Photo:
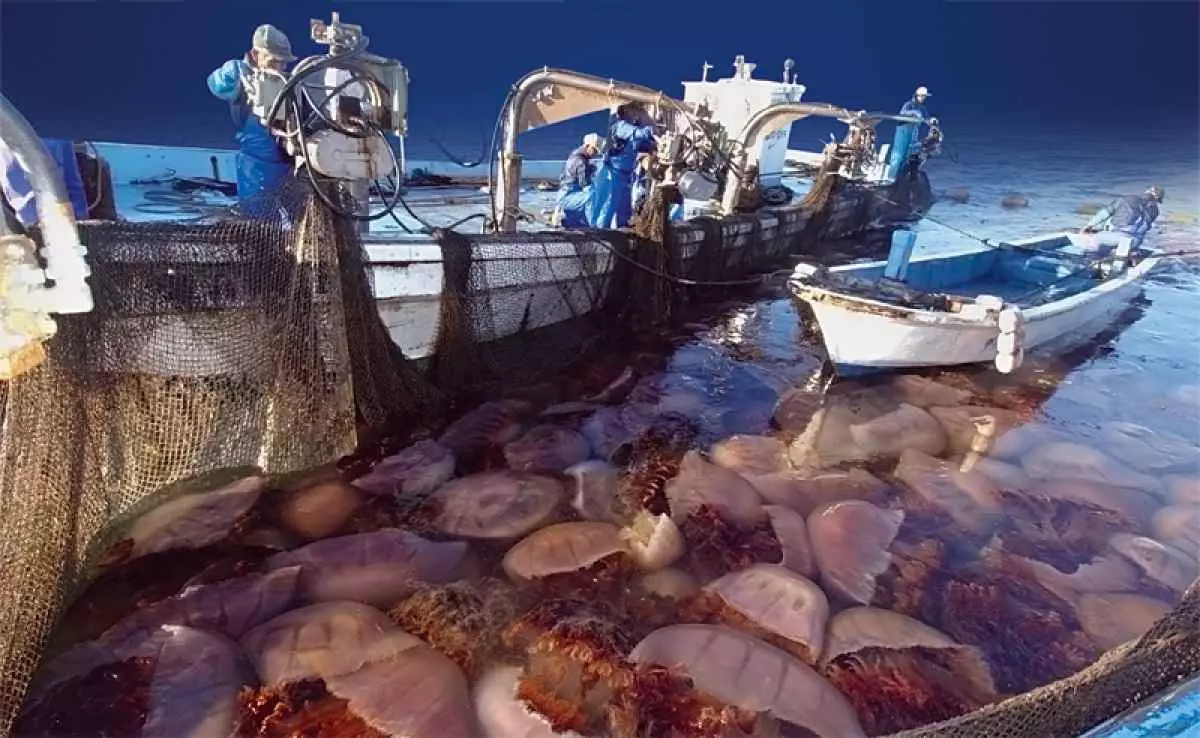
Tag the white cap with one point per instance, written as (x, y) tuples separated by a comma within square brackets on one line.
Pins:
[(922, 91), (271, 40), (593, 140)]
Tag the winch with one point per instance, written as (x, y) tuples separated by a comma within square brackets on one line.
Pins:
[(333, 113)]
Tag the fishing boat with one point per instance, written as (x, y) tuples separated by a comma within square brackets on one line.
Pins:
[(987, 303), (538, 276)]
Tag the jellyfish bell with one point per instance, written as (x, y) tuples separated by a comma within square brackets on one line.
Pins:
[(1179, 526), (148, 685), (490, 424), (925, 393), (850, 541), (562, 549), (700, 483), (1147, 450), (907, 427), (192, 520), (900, 673), (367, 669), (416, 470), (1113, 618), (1164, 564), (750, 455), (792, 532), (775, 604), (495, 505), (319, 510), (546, 448), (745, 672), (1068, 460), (969, 497), (805, 492), (377, 568)]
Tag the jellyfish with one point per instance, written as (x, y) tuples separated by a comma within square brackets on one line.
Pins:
[(563, 549), (751, 455), (546, 448), (344, 664), (850, 541), (745, 672), (375, 568), (770, 602), (165, 682), (900, 673), (495, 505)]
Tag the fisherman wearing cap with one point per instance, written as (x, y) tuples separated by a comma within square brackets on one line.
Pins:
[(1130, 216), (906, 137), (575, 184), (262, 164)]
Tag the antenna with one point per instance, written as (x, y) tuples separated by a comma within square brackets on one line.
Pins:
[(704, 73)]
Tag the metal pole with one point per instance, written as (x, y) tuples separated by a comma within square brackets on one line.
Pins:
[(510, 161), (762, 124)]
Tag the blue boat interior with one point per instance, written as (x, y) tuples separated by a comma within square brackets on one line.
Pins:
[(1051, 269)]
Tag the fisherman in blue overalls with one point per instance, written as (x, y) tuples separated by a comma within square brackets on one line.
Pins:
[(1131, 216), (575, 184), (906, 138), (262, 164), (630, 133)]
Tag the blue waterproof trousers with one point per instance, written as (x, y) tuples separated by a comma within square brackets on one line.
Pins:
[(612, 198), (574, 202), (902, 144)]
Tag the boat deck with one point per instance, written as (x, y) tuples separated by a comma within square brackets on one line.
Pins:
[(143, 177), (435, 206), (463, 206)]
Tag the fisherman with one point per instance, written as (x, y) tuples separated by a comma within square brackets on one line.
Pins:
[(906, 137), (630, 133), (1131, 216), (262, 163), (20, 208), (575, 184)]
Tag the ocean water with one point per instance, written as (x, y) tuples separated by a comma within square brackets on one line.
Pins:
[(1097, 462)]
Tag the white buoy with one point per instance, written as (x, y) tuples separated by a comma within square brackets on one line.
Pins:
[(1010, 319), (1007, 363), (1008, 343)]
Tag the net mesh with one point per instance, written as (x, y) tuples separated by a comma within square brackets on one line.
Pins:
[(270, 343)]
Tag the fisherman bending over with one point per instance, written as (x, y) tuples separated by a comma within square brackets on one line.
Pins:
[(906, 137), (1132, 215), (630, 133), (262, 163), (575, 184)]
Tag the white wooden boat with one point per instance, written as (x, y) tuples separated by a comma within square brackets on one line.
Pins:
[(985, 304)]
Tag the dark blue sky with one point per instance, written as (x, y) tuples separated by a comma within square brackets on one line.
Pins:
[(130, 70)]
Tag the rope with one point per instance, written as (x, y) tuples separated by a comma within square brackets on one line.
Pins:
[(680, 280)]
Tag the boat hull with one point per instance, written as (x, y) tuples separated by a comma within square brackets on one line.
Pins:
[(866, 336)]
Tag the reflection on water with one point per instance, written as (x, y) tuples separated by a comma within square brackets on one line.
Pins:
[(686, 537)]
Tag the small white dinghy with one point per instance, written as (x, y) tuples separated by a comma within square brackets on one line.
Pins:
[(988, 304)]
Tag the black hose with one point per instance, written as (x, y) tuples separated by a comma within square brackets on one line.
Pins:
[(464, 164)]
